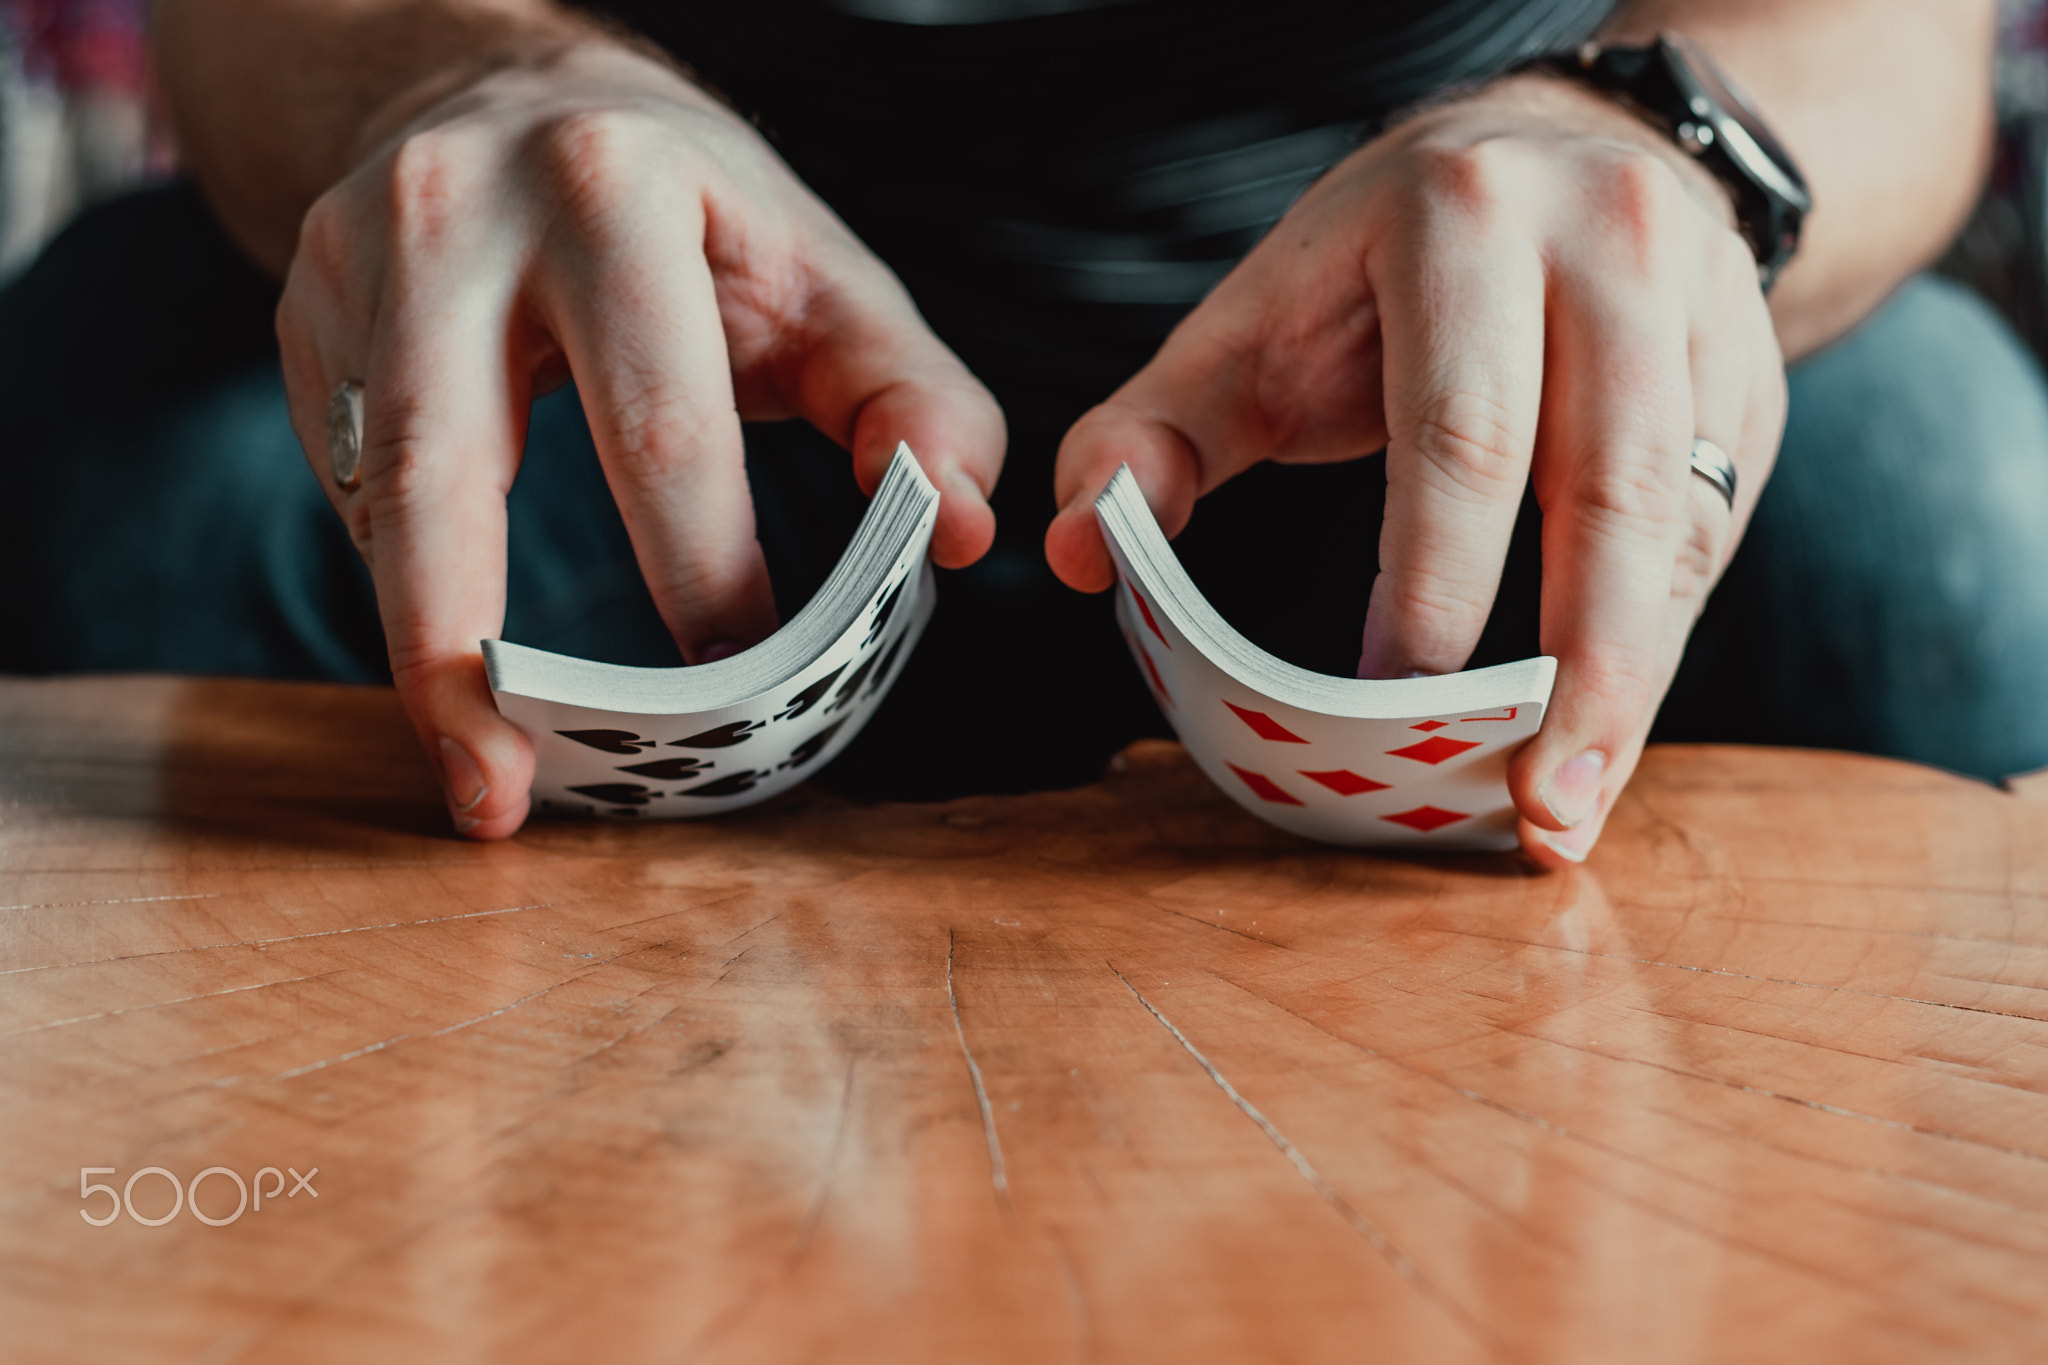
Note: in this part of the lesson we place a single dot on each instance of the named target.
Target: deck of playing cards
(1413, 762)
(668, 742)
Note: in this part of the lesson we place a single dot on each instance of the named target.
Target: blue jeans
(156, 514)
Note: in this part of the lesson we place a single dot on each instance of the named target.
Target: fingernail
(1573, 790)
(960, 482)
(465, 823)
(1572, 844)
(716, 650)
(463, 778)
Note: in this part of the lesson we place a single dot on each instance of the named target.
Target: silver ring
(345, 433)
(1711, 463)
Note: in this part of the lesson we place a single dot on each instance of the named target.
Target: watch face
(1742, 130)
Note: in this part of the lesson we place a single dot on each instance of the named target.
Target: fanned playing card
(1411, 762)
(663, 743)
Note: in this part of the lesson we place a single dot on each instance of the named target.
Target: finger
(869, 373)
(637, 316)
(320, 333)
(1237, 382)
(1560, 849)
(1163, 460)
(441, 436)
(1737, 400)
(1182, 424)
(1612, 481)
(1462, 313)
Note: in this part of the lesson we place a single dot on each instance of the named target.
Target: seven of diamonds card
(1417, 763)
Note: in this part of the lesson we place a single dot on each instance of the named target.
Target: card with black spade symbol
(1411, 762)
(663, 743)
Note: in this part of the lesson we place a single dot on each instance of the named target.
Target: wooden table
(1115, 1074)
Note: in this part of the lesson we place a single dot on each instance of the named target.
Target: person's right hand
(595, 214)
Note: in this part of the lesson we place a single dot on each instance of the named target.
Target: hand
(592, 213)
(1527, 284)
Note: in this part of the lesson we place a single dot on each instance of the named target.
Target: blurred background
(78, 124)
(76, 118)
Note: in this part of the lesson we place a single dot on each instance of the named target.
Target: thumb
(1162, 460)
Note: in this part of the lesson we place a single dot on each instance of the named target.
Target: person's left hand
(1525, 285)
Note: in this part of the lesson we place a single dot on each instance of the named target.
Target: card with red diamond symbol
(660, 743)
(1413, 763)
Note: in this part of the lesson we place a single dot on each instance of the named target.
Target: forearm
(272, 102)
(1885, 104)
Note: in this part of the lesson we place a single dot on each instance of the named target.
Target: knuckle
(1698, 564)
(707, 578)
(355, 517)
(655, 426)
(1443, 614)
(426, 182)
(414, 660)
(1638, 198)
(1627, 497)
(1623, 677)
(399, 472)
(1472, 440)
(325, 240)
(593, 160)
(1470, 178)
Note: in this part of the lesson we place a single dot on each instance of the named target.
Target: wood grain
(1115, 1074)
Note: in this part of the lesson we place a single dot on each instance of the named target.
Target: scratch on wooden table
(1771, 980)
(671, 914)
(595, 967)
(1364, 1226)
(181, 1059)
(1211, 924)
(296, 1071)
(1903, 888)
(1542, 1124)
(1875, 929)
(161, 1004)
(816, 1213)
(1077, 1300)
(574, 1064)
(1769, 1094)
(1991, 981)
(506, 1009)
(2001, 1206)
(724, 1321)
(744, 933)
(286, 938)
(998, 1178)
(123, 900)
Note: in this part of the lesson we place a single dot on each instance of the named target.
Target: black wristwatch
(1675, 85)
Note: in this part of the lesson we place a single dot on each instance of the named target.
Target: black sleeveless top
(1058, 181)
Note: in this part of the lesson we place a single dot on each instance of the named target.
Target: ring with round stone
(1711, 463)
(345, 433)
